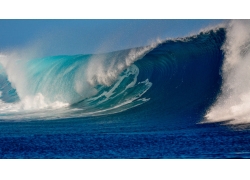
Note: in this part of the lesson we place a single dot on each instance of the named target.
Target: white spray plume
(234, 101)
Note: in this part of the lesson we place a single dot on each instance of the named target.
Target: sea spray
(234, 101)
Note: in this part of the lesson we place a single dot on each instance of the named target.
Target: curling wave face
(172, 78)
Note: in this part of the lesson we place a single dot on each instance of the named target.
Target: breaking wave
(204, 75)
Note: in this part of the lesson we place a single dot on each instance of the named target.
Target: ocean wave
(180, 77)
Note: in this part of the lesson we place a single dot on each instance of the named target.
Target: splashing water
(234, 100)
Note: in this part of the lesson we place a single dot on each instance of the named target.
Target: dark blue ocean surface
(147, 102)
(62, 139)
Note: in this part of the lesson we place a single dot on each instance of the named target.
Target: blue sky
(57, 37)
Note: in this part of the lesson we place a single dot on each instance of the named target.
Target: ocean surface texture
(178, 98)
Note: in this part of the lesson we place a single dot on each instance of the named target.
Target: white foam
(38, 102)
(132, 70)
(234, 102)
(31, 103)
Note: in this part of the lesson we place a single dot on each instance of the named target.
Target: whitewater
(234, 100)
